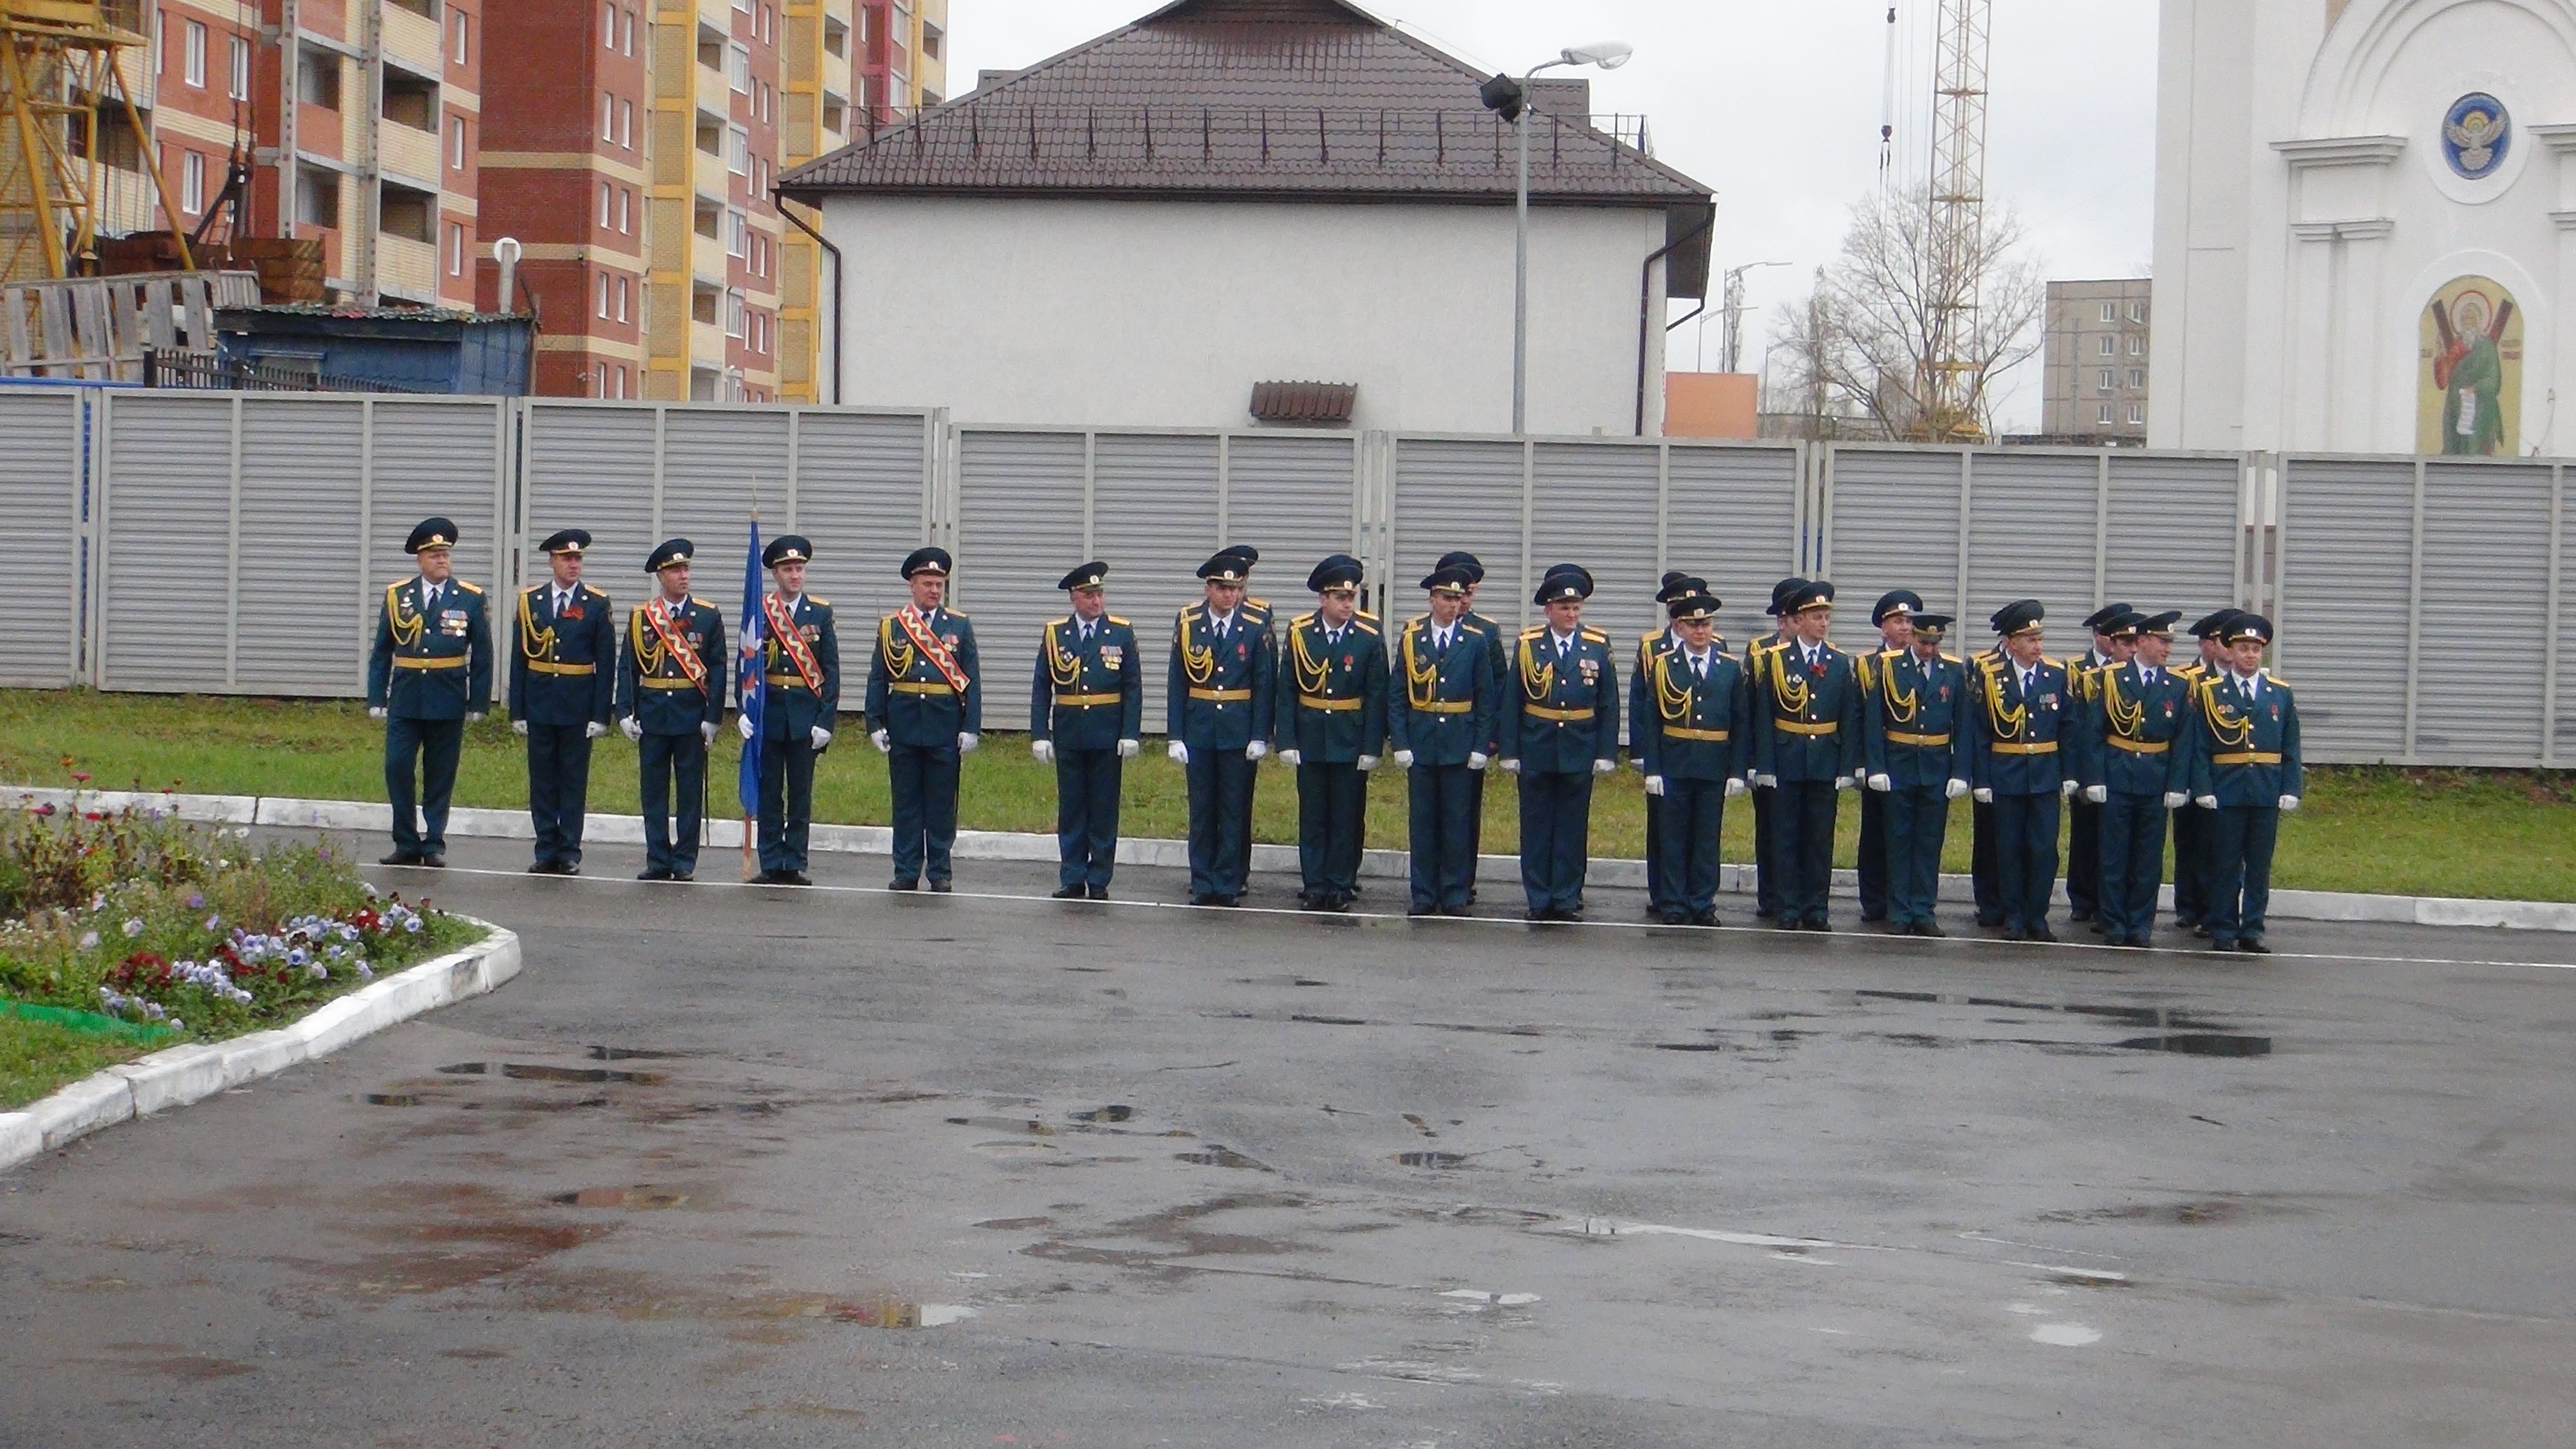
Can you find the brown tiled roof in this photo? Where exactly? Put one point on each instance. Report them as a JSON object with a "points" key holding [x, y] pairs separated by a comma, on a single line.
{"points": [[1245, 100]]}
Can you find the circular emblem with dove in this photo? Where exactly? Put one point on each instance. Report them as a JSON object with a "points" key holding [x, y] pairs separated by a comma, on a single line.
{"points": [[2476, 135]]}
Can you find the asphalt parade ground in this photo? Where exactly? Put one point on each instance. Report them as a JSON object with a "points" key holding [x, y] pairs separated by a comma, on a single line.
{"points": [[757, 1166]]}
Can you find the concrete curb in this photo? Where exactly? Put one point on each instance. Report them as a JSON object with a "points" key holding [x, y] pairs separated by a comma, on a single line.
{"points": [[1500, 871], [185, 1074]]}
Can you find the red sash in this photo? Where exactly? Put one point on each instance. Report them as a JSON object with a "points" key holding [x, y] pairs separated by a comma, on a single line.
{"points": [[917, 629], [782, 629], [677, 646]]}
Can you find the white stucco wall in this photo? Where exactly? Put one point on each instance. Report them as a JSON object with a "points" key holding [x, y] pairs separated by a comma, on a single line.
{"points": [[1164, 314], [2305, 213]]}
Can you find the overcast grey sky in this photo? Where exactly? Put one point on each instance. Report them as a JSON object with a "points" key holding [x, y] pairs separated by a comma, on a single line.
{"points": [[1776, 104]]}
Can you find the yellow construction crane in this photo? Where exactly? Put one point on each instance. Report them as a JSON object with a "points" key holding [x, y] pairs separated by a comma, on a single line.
{"points": [[58, 67], [1953, 380]]}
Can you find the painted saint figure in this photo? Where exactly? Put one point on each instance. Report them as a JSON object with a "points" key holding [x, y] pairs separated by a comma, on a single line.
{"points": [[2469, 369]]}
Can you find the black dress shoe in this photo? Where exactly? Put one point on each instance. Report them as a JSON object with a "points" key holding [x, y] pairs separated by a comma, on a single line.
{"points": [[2202, 931], [1989, 922], [1337, 902], [2253, 945], [1419, 909], [566, 867], [1542, 913], [903, 885], [1229, 902], [939, 888], [1098, 892], [401, 857], [794, 878], [1702, 918], [1461, 912], [1930, 929], [658, 873], [542, 867], [1671, 917], [682, 875], [1068, 893], [2079, 917], [2041, 934], [1765, 913], [2096, 927], [2222, 943], [1871, 918], [435, 860], [1203, 898], [1819, 923]]}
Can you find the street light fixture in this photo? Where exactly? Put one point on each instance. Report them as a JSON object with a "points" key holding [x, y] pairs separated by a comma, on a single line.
{"points": [[1509, 99]]}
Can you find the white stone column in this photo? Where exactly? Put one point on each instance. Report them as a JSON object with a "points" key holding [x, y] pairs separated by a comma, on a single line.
{"points": [[2331, 347], [2561, 341]]}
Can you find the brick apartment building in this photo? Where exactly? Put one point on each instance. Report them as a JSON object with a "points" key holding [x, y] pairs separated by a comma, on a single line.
{"points": [[2095, 362]]}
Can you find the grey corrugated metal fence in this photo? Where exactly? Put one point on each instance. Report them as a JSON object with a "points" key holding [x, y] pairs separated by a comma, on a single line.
{"points": [[43, 480]]}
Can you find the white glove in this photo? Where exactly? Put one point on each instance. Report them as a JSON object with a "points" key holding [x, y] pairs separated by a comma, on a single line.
{"points": [[1639, 761], [1043, 751], [820, 736], [1882, 783], [1953, 789], [1842, 782], [1256, 749], [1404, 759], [1477, 761], [1290, 757], [518, 727], [634, 732], [376, 712], [743, 723], [1654, 784], [1367, 763], [2206, 802], [1127, 749], [593, 730], [1604, 767], [1984, 795], [882, 740], [2066, 788], [1511, 767], [474, 716], [706, 730], [2176, 799], [1767, 782], [967, 741], [2289, 802], [2096, 794], [1179, 752]]}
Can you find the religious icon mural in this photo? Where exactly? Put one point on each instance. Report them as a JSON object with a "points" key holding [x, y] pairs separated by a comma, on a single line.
{"points": [[2477, 134], [2469, 384]]}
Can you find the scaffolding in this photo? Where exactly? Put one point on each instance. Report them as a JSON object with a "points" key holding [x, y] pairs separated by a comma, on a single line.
{"points": [[58, 68]]}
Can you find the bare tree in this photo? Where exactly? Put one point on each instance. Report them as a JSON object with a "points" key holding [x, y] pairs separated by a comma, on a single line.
{"points": [[1914, 346]]}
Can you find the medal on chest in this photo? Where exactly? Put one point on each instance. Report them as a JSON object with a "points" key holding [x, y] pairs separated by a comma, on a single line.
{"points": [[1110, 654]]}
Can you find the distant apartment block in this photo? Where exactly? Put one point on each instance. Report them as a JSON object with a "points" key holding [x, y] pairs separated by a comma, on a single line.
{"points": [[2096, 360]]}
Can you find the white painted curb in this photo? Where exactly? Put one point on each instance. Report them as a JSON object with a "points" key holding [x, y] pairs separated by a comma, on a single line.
{"points": [[1499, 871], [185, 1074]]}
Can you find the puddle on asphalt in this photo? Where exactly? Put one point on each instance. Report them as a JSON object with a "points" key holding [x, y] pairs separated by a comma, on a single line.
{"points": [[2180, 1031], [1330, 1020], [2203, 1044], [1015, 1225], [467, 1069], [1217, 1156], [627, 1054], [521, 1072], [392, 1099], [1689, 1046], [1114, 1112], [643, 1195], [1030, 1125], [1431, 1159], [2197, 1213]]}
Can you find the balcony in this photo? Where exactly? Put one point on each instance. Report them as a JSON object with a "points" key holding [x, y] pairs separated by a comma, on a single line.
{"points": [[707, 259], [412, 41], [406, 269], [409, 154]]}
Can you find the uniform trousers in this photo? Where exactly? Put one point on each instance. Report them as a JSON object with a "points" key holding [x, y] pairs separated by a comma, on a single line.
{"points": [[2084, 873], [786, 800], [2240, 894], [432, 745], [1917, 820], [1984, 874], [1443, 800], [1556, 837], [1475, 825], [1220, 783], [2191, 866], [2132, 855], [2026, 857], [675, 774], [558, 788], [1802, 848], [924, 778], [1086, 815], [1766, 876], [1332, 811], [1873, 856], [1693, 813], [1658, 893]]}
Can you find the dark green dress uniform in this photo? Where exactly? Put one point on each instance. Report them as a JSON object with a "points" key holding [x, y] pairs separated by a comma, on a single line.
{"points": [[1916, 740], [1871, 866], [430, 670], [670, 693], [1499, 655], [1766, 873], [2084, 818], [2022, 734], [1332, 712], [2139, 755], [925, 703], [1560, 728], [2245, 763], [563, 679], [2191, 828], [1806, 739], [800, 685], [1087, 704], [1985, 877], [1443, 709], [1693, 729], [1220, 683], [1675, 584]]}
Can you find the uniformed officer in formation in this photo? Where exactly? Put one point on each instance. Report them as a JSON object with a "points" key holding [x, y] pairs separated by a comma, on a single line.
{"points": [[1693, 731], [1807, 748], [1500, 657], [2084, 818], [1894, 615], [1086, 716], [1766, 870], [1560, 730], [2246, 774], [2191, 828], [670, 698], [1443, 713], [2023, 725], [428, 676], [1332, 729], [799, 677], [925, 707], [2136, 768], [563, 680], [1674, 585], [1915, 742], [1220, 711]]}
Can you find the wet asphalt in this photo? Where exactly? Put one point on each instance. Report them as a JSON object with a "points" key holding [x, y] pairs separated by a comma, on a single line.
{"points": [[734, 1166]]}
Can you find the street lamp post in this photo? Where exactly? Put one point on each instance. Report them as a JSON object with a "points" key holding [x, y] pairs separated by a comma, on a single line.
{"points": [[1510, 99]]}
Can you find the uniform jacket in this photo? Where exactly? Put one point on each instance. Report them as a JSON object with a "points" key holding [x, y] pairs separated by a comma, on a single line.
{"points": [[1649, 645], [2021, 744], [2140, 739], [563, 668], [431, 668], [1332, 697], [1088, 694], [2247, 746], [1560, 711], [1220, 689], [789, 709], [1913, 719], [1444, 705], [1806, 717], [1500, 658], [2084, 684], [1687, 728], [909, 697], [653, 685]]}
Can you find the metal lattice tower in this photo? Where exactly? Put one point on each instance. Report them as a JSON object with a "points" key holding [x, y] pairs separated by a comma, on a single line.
{"points": [[58, 70], [1955, 231]]}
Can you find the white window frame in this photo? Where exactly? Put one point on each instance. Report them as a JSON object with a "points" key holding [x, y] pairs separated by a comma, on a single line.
{"points": [[2138, 312], [736, 313], [626, 46], [738, 66], [456, 143], [238, 82], [160, 46], [456, 253], [192, 182], [2107, 379], [460, 39], [195, 54], [608, 25], [607, 117], [2110, 345], [2106, 415], [625, 212], [603, 296], [623, 292], [2137, 344], [738, 150], [2137, 415], [625, 124], [2110, 311], [606, 192], [737, 233]]}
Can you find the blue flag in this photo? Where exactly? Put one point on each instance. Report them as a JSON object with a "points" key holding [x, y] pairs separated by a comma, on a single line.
{"points": [[748, 682]]}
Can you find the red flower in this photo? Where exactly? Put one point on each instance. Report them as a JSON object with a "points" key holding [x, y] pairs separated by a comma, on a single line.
{"points": [[92, 815], [81, 775]]}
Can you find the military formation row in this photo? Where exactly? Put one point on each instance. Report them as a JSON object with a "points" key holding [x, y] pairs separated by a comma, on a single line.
{"points": [[1448, 696]]}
